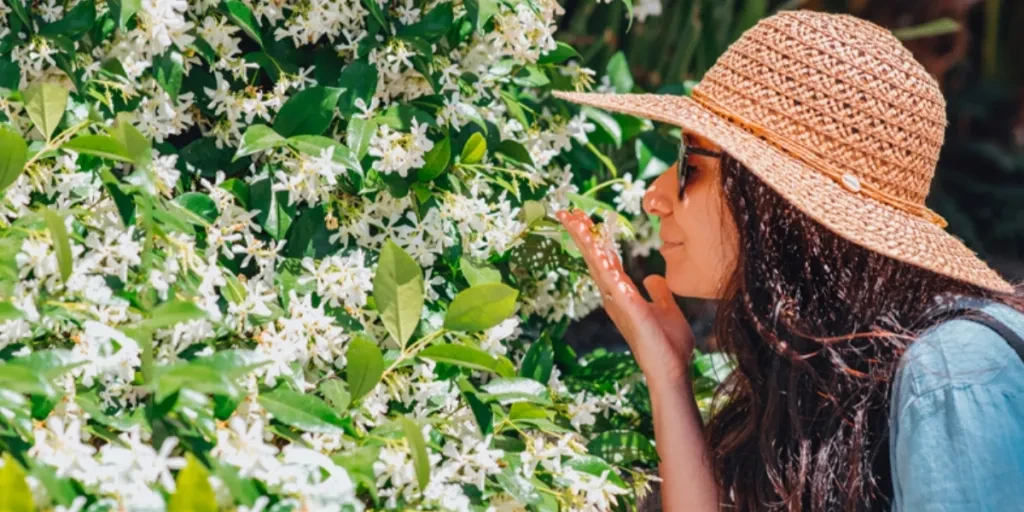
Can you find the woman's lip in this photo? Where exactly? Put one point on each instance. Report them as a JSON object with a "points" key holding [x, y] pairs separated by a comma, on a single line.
{"points": [[670, 245]]}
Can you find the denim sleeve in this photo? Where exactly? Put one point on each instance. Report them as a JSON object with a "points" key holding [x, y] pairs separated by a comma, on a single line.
{"points": [[957, 434]]}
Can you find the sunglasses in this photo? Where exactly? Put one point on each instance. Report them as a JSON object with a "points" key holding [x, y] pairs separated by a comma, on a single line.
{"points": [[685, 167]]}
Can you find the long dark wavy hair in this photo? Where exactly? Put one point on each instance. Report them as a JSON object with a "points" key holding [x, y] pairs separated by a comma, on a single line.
{"points": [[804, 420]]}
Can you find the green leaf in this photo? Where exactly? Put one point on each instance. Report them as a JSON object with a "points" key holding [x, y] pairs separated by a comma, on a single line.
{"points": [[485, 10], [60, 489], [939, 27], [622, 447], [374, 8], [102, 146], [539, 361], [433, 25], [50, 363], [621, 76], [61, 244], [197, 377], [304, 412], [337, 394], [314, 145], [243, 489], [520, 488], [257, 138], [232, 362], [516, 389], [365, 366], [310, 111], [360, 133], [19, 8], [24, 380], [595, 466], [172, 312], [13, 155], [481, 273], [418, 447], [45, 105], [137, 145], [436, 161], [464, 356], [10, 74], [398, 291], [15, 494], [358, 81], [609, 131], [200, 204], [168, 71], [560, 54], [515, 151], [242, 16], [193, 490], [399, 117], [481, 307], [75, 22], [128, 9], [9, 312], [305, 227], [275, 215], [474, 149]]}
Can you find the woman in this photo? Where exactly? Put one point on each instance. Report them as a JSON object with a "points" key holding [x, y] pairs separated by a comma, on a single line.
{"points": [[798, 203]]}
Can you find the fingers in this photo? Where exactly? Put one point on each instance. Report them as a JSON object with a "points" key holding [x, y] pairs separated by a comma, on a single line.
{"points": [[669, 315], [604, 265]]}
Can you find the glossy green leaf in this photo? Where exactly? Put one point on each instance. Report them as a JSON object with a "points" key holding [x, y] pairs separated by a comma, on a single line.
{"points": [[61, 244], [398, 291], [432, 25], [436, 161], [938, 27], [200, 204], [481, 307], [622, 447], [173, 312], [9, 312], [561, 53], [478, 273], [129, 8], [418, 447], [365, 366], [308, 112], [13, 155], [621, 76], [257, 138], [240, 14], [336, 393], [358, 81], [516, 389], [15, 494], [193, 492], [138, 147], [45, 105], [314, 145], [74, 23], [538, 361], [474, 149], [360, 133], [197, 377], [169, 71], [305, 412], [464, 356], [102, 146], [596, 467], [520, 488]]}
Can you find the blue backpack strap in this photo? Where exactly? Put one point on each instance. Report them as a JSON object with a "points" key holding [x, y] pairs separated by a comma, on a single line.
{"points": [[970, 308]]}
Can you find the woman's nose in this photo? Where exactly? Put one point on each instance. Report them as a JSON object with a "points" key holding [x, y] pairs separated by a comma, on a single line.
{"points": [[659, 198]]}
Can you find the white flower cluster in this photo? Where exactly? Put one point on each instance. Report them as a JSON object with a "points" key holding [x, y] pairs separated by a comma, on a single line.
{"points": [[231, 266]]}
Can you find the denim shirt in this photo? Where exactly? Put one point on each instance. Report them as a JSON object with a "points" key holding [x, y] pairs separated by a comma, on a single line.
{"points": [[957, 419]]}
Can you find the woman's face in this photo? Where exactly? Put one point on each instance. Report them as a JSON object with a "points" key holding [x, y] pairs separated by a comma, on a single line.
{"points": [[699, 236]]}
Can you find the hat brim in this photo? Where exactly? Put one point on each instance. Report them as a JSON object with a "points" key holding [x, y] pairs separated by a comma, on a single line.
{"points": [[855, 217]]}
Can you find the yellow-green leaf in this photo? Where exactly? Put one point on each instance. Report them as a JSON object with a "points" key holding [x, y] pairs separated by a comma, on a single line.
{"points": [[474, 149], [365, 366], [61, 244], [102, 146], [193, 492], [481, 307], [13, 154], [45, 106], [398, 291], [418, 447], [15, 495]]}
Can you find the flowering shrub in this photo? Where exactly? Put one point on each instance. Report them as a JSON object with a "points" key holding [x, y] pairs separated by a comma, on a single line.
{"points": [[298, 255]]}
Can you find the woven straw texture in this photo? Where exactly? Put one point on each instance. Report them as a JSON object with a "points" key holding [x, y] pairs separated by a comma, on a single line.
{"points": [[834, 114]]}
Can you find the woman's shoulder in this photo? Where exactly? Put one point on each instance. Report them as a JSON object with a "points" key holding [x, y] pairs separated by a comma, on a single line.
{"points": [[959, 353]]}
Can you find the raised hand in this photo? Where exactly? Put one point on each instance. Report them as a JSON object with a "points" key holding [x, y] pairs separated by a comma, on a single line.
{"points": [[657, 332]]}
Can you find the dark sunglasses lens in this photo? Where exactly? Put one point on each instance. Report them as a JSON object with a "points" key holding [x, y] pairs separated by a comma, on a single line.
{"points": [[682, 167]]}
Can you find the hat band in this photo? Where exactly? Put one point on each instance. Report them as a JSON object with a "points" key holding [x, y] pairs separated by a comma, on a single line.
{"points": [[794, 149]]}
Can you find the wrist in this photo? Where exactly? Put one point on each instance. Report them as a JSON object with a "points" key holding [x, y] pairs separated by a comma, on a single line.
{"points": [[670, 381]]}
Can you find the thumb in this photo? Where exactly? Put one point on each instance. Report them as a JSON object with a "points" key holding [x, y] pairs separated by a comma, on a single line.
{"points": [[671, 318]]}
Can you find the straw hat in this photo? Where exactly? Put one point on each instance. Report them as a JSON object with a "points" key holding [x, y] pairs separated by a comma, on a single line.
{"points": [[834, 114]]}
